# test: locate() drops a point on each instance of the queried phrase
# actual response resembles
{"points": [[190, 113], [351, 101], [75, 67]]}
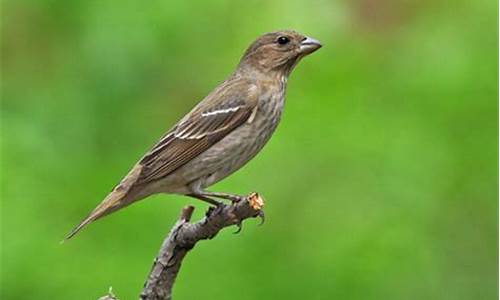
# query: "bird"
{"points": [[220, 134]]}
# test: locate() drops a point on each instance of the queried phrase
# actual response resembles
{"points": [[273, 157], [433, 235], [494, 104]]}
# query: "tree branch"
{"points": [[184, 236]]}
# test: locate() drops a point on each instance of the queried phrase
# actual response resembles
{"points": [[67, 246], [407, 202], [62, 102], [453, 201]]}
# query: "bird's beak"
{"points": [[309, 45]]}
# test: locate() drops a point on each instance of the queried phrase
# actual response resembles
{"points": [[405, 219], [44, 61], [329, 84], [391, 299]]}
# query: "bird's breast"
{"points": [[241, 145], [269, 111]]}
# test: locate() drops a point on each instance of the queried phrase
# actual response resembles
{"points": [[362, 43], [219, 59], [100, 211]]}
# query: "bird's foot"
{"points": [[215, 209], [261, 215], [231, 197], [235, 198], [256, 202], [240, 227], [206, 199]]}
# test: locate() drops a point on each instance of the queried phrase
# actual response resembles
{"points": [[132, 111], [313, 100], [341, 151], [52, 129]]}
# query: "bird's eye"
{"points": [[282, 40]]}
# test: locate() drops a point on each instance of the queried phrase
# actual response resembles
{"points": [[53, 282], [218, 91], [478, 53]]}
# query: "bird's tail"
{"points": [[120, 197], [111, 203]]}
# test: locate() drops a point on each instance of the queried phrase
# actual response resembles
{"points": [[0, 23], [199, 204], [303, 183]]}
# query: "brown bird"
{"points": [[220, 134]]}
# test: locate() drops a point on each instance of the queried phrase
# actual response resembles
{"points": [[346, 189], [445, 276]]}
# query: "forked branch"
{"points": [[184, 236]]}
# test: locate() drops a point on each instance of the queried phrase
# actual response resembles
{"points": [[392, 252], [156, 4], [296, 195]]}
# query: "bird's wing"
{"points": [[225, 109]]}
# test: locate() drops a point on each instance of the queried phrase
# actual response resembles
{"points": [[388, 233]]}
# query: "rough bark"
{"points": [[184, 236]]}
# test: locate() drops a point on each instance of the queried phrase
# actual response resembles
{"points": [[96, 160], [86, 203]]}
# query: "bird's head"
{"points": [[278, 51]]}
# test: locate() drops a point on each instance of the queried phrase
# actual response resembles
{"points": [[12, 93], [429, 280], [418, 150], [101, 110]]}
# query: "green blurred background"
{"points": [[381, 181]]}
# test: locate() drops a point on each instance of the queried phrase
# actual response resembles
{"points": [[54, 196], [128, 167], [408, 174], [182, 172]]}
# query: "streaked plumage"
{"points": [[222, 133]]}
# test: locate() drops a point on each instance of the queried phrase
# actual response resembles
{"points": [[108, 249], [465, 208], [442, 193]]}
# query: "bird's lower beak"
{"points": [[309, 45]]}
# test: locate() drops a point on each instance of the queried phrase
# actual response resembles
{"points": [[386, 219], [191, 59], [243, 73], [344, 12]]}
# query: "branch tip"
{"points": [[184, 236], [256, 201], [187, 212]]}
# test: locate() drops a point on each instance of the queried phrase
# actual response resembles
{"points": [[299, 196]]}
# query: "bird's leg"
{"points": [[233, 198], [205, 198]]}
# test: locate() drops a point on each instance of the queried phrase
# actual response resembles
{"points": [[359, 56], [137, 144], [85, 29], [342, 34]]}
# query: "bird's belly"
{"points": [[232, 152]]}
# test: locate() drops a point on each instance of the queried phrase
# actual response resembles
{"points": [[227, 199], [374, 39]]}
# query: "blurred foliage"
{"points": [[381, 182]]}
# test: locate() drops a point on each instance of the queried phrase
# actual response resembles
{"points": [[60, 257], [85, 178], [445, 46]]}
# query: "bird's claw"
{"points": [[240, 227], [261, 215], [210, 210], [214, 209], [235, 199]]}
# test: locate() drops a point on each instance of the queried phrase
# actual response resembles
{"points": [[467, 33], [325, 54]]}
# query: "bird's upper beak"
{"points": [[309, 45]]}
